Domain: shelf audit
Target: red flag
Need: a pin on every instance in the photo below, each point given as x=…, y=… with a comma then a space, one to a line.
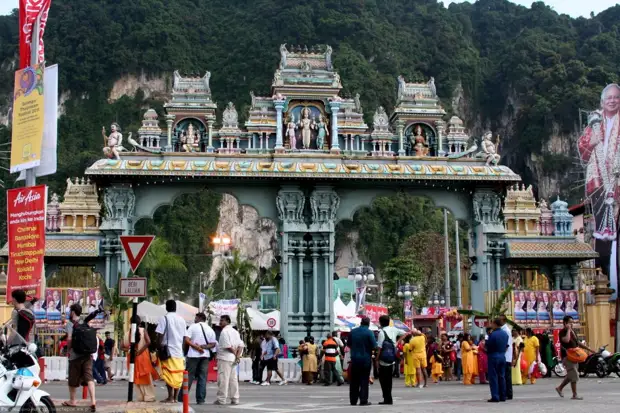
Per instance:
x=29, y=11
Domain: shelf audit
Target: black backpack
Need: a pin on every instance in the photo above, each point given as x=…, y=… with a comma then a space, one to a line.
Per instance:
x=388, y=350
x=84, y=339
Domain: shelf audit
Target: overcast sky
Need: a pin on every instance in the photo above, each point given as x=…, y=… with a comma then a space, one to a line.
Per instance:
x=573, y=7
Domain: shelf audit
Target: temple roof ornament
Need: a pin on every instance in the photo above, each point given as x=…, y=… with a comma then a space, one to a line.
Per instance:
x=380, y=121
x=562, y=219
x=190, y=92
x=80, y=208
x=457, y=138
x=230, y=118
x=417, y=91
x=150, y=124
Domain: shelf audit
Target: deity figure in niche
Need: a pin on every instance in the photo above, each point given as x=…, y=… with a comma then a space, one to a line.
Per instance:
x=290, y=132
x=190, y=139
x=418, y=141
x=488, y=149
x=321, y=127
x=306, y=124
x=113, y=144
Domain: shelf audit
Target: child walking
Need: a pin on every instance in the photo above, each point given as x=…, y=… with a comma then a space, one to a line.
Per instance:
x=436, y=366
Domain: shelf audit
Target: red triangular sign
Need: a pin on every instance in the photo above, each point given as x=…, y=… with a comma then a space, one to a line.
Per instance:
x=135, y=247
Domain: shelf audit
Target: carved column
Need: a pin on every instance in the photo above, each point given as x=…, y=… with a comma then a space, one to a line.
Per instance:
x=169, y=121
x=335, y=106
x=119, y=203
x=315, y=276
x=558, y=273
x=327, y=311
x=279, y=104
x=574, y=275
x=440, y=130
x=210, y=147
x=400, y=128
x=300, y=277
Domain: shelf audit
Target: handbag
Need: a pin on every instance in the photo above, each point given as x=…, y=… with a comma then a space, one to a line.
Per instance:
x=576, y=355
x=163, y=352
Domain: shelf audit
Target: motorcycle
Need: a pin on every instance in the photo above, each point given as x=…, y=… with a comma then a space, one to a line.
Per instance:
x=595, y=363
x=613, y=362
x=558, y=367
x=20, y=381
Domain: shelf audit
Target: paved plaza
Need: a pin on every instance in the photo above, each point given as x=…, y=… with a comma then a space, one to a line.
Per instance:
x=599, y=396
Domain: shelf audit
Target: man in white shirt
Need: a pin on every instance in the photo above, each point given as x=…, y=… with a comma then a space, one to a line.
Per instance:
x=171, y=333
x=229, y=352
x=511, y=354
x=200, y=339
x=386, y=368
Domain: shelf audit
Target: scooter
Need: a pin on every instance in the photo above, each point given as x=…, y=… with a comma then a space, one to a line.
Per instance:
x=20, y=381
x=613, y=362
x=595, y=363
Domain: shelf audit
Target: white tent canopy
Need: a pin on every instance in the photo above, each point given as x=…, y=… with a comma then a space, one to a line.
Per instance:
x=264, y=321
x=186, y=311
x=149, y=312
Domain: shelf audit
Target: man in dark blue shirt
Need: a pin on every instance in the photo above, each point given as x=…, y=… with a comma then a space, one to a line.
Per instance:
x=362, y=343
x=496, y=346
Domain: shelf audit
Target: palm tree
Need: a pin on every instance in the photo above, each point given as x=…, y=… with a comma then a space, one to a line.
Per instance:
x=163, y=269
x=117, y=306
x=497, y=310
x=242, y=282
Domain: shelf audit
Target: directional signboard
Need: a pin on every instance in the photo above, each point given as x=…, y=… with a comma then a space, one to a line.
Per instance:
x=135, y=247
x=132, y=287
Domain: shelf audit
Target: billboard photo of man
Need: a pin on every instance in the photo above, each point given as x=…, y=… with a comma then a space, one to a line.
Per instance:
x=598, y=149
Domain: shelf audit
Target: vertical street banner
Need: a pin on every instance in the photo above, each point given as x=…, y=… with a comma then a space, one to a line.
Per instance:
x=29, y=12
x=598, y=150
x=28, y=119
x=53, y=307
x=26, y=209
x=95, y=302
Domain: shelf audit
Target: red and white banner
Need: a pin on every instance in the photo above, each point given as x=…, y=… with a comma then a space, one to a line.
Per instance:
x=374, y=311
x=29, y=11
x=26, y=209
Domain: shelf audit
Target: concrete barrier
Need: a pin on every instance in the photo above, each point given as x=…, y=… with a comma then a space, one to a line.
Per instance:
x=56, y=368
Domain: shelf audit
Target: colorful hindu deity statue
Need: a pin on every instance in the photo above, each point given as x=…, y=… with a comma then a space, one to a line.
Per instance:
x=190, y=139
x=488, y=150
x=321, y=127
x=306, y=124
x=290, y=132
x=419, y=142
x=113, y=144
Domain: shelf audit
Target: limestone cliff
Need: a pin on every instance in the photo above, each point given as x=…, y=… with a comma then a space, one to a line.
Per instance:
x=152, y=86
x=253, y=236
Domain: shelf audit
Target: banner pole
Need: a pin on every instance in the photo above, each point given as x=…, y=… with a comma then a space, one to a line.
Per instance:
x=34, y=59
x=132, y=351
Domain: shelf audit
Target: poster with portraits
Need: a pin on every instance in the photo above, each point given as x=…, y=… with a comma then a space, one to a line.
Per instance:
x=73, y=297
x=545, y=309
x=40, y=315
x=95, y=302
x=53, y=307
x=598, y=148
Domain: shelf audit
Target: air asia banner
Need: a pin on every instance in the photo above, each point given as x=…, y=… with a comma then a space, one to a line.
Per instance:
x=544, y=309
x=29, y=11
x=26, y=208
x=598, y=150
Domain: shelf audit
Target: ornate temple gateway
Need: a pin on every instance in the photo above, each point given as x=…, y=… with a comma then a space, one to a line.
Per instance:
x=306, y=159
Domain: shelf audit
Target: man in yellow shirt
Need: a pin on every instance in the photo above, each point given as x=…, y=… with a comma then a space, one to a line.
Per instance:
x=418, y=344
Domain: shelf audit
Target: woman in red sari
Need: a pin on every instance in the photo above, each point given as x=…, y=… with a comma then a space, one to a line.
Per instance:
x=144, y=373
x=483, y=361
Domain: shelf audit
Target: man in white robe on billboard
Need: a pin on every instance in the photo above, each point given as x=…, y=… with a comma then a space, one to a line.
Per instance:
x=598, y=149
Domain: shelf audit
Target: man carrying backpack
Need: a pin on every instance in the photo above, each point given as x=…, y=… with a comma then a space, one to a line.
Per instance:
x=22, y=318
x=386, y=356
x=82, y=341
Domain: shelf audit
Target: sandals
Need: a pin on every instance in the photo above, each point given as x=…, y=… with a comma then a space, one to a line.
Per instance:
x=93, y=408
x=67, y=404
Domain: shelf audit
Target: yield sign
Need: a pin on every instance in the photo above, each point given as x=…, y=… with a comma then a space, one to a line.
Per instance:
x=135, y=247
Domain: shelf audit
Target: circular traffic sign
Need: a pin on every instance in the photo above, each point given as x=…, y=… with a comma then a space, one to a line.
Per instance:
x=481, y=321
x=271, y=322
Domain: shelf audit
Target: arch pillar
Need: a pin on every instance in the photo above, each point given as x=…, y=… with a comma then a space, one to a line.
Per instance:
x=307, y=225
x=487, y=230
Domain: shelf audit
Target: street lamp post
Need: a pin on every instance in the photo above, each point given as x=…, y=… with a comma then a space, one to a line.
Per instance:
x=222, y=243
x=361, y=275
x=405, y=292
x=436, y=300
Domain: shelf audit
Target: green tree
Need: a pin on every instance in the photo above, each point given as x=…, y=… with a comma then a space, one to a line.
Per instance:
x=163, y=269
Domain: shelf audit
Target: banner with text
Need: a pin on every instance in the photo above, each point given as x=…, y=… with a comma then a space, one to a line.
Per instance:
x=29, y=13
x=374, y=311
x=26, y=209
x=28, y=119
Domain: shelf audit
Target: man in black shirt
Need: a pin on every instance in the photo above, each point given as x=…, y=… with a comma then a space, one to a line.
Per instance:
x=568, y=340
x=22, y=318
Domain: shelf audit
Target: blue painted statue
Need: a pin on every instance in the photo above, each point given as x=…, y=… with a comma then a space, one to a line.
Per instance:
x=321, y=134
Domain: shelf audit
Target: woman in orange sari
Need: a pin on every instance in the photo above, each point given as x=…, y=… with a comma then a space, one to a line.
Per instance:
x=144, y=373
x=470, y=363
